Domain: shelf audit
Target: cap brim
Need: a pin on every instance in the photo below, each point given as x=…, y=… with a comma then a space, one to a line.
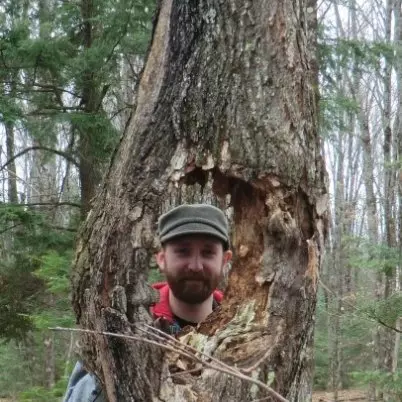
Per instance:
x=194, y=229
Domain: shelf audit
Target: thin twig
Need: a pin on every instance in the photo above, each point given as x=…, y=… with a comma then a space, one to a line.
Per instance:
x=218, y=366
x=192, y=349
x=129, y=337
x=221, y=366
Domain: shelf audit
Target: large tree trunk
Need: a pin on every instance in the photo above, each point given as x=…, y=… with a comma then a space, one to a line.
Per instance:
x=227, y=114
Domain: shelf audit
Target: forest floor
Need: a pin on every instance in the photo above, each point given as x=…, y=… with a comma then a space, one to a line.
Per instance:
x=352, y=395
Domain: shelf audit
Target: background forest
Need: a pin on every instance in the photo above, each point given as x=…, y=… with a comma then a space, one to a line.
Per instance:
x=67, y=85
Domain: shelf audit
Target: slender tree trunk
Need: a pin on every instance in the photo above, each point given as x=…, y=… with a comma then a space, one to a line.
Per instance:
x=396, y=343
x=389, y=191
x=11, y=170
x=227, y=114
x=373, y=237
x=398, y=135
x=372, y=225
x=90, y=173
x=50, y=362
x=337, y=276
x=9, y=123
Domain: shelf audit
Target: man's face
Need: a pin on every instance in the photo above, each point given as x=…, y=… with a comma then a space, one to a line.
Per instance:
x=193, y=266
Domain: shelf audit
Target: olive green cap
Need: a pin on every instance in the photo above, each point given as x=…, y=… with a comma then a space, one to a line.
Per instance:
x=191, y=219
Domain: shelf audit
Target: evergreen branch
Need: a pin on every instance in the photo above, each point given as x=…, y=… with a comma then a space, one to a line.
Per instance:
x=10, y=228
x=36, y=148
x=53, y=88
x=176, y=346
x=42, y=88
x=371, y=317
x=122, y=35
x=380, y=321
x=47, y=226
x=51, y=107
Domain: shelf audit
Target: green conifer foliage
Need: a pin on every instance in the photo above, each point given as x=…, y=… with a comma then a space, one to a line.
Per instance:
x=60, y=93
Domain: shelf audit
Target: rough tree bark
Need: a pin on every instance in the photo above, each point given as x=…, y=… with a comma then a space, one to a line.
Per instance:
x=226, y=113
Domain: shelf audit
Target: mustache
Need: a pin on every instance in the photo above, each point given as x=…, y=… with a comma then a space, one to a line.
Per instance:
x=193, y=276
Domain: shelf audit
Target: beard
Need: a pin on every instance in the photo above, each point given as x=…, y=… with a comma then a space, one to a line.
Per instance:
x=192, y=287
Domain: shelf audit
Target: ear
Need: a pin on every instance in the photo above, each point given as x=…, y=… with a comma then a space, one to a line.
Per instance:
x=227, y=256
x=160, y=260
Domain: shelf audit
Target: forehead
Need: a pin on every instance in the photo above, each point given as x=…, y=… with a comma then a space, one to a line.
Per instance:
x=199, y=240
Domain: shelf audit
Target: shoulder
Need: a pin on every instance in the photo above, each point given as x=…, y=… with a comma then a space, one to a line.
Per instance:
x=83, y=386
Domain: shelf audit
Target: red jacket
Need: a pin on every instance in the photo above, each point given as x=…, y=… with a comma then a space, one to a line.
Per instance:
x=162, y=308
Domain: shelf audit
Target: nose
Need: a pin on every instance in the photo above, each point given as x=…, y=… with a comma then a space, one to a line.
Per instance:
x=195, y=263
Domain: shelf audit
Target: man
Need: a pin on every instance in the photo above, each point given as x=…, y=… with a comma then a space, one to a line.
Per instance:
x=195, y=249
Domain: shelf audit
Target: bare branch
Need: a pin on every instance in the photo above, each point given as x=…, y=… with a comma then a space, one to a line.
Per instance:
x=61, y=228
x=50, y=109
x=184, y=350
x=54, y=88
x=54, y=204
x=36, y=148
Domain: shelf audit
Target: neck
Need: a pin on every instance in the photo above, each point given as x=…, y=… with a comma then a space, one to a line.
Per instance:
x=191, y=312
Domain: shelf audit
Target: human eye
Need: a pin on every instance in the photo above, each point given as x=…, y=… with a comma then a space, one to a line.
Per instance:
x=182, y=251
x=209, y=252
